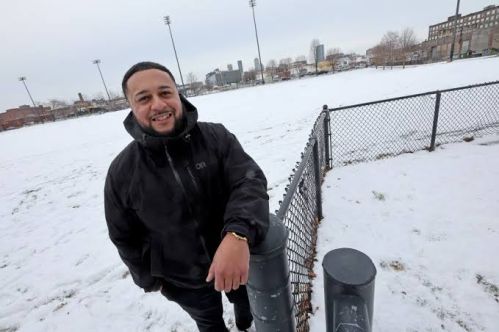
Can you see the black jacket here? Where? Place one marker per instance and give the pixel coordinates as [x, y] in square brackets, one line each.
[170, 200]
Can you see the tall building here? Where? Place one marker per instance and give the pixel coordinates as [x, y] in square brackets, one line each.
[319, 53]
[240, 65]
[477, 33]
[258, 65]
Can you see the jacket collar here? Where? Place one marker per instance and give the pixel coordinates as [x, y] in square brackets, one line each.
[149, 140]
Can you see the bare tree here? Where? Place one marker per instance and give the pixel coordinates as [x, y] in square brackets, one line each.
[391, 43]
[249, 76]
[271, 68]
[284, 68]
[378, 55]
[191, 78]
[332, 56]
[115, 94]
[57, 103]
[407, 42]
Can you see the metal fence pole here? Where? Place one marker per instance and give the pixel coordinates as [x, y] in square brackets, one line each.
[435, 122]
[269, 289]
[349, 290]
[327, 136]
[317, 173]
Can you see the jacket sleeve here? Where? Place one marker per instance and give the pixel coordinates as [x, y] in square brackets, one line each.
[247, 209]
[126, 234]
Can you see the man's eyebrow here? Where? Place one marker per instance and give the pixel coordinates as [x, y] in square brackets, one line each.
[161, 87]
[141, 92]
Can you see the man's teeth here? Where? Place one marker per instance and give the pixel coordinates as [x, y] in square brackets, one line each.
[162, 116]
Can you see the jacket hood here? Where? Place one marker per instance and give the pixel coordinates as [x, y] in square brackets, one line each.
[190, 115]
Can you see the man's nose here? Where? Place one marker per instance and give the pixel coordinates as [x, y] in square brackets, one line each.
[157, 103]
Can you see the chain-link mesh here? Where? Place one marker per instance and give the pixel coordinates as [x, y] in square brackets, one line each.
[390, 127]
[468, 112]
[300, 212]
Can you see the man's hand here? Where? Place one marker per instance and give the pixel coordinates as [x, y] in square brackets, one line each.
[230, 265]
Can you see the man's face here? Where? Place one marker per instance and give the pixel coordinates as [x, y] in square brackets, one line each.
[154, 100]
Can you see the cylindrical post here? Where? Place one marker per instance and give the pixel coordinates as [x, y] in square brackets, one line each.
[317, 171]
[349, 290]
[268, 285]
[435, 122]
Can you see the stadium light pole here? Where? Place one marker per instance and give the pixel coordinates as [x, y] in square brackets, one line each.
[23, 80]
[168, 22]
[454, 32]
[97, 61]
[252, 4]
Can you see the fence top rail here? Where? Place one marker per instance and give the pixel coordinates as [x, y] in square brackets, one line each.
[412, 96]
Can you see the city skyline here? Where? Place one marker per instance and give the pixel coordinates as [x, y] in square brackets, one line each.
[53, 45]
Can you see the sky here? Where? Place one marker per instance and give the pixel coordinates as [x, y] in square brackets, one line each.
[53, 42]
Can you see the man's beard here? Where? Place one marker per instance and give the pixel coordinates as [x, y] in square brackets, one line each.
[178, 127]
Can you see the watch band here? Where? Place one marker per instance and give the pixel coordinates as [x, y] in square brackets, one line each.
[239, 237]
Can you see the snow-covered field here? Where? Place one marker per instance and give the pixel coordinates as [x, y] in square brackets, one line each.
[430, 223]
[59, 271]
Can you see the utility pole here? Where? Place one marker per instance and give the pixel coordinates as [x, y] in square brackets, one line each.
[97, 61]
[168, 22]
[23, 80]
[252, 4]
[454, 32]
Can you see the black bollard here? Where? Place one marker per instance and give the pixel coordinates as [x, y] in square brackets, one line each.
[349, 290]
[268, 285]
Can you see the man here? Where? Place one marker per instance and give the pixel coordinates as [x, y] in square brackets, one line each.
[184, 202]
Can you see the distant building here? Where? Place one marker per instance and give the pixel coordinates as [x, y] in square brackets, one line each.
[258, 65]
[477, 33]
[25, 115]
[240, 66]
[319, 53]
[229, 67]
[221, 78]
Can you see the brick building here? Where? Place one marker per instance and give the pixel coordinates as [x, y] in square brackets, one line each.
[476, 34]
[25, 115]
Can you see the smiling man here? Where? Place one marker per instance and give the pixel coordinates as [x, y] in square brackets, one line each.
[184, 203]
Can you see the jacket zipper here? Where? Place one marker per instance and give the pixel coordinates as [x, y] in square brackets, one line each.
[191, 210]
[193, 179]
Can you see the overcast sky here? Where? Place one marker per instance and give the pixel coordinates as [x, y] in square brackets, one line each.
[53, 42]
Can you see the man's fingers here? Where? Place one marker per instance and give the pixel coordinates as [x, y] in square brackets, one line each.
[228, 285]
[235, 283]
[210, 274]
[219, 282]
[244, 278]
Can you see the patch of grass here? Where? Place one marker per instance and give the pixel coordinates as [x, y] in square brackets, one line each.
[489, 287]
[378, 196]
[394, 265]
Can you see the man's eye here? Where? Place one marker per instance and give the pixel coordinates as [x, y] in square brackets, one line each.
[143, 99]
[165, 93]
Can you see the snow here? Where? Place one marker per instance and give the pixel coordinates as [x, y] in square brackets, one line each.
[429, 222]
[59, 271]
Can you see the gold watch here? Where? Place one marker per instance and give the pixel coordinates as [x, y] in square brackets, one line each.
[239, 237]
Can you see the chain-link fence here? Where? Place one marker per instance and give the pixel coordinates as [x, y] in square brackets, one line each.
[301, 211]
[391, 127]
[371, 131]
